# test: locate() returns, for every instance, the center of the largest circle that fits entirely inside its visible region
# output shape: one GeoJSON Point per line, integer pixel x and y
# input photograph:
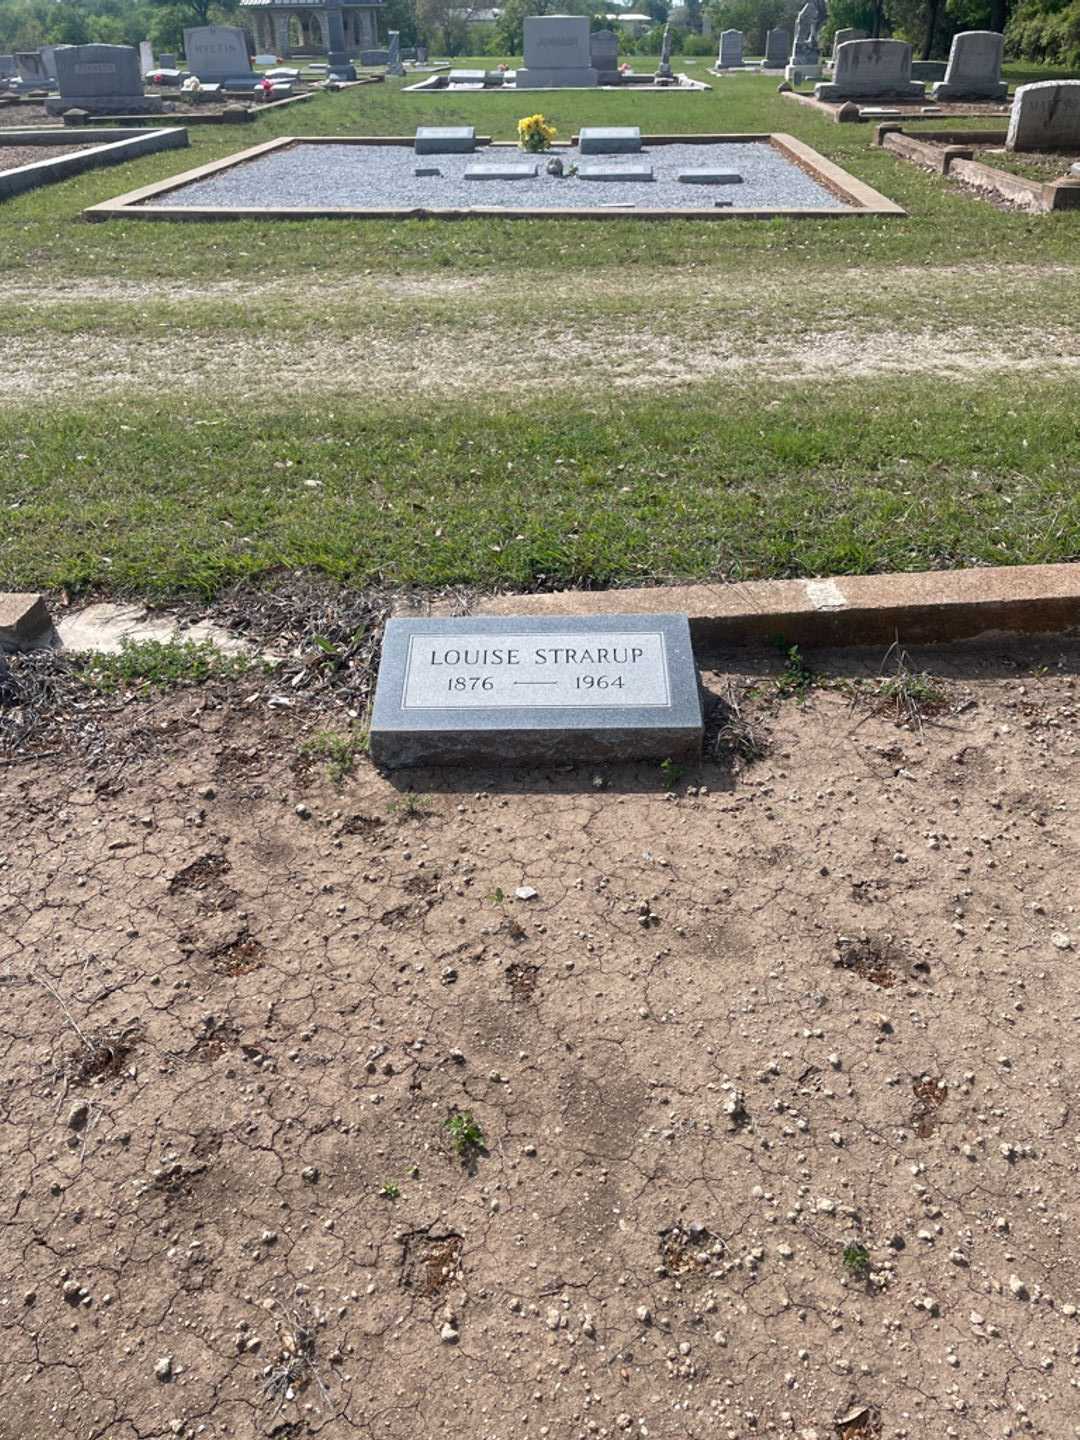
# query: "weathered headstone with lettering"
{"type": "Point", "coordinates": [1045, 116]}
{"type": "Point", "coordinates": [217, 53]}
{"type": "Point", "coordinates": [777, 49]}
{"type": "Point", "coordinates": [731, 50]}
{"type": "Point", "coordinates": [974, 68]}
{"type": "Point", "coordinates": [528, 689]}
{"type": "Point", "coordinates": [102, 80]}
{"type": "Point", "coordinates": [556, 53]}
{"type": "Point", "coordinates": [879, 68]}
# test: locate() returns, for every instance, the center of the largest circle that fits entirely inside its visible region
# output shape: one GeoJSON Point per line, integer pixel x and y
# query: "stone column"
{"type": "Point", "coordinates": [280, 22]}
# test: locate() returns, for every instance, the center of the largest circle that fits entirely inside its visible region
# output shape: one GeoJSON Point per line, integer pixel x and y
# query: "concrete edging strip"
{"type": "Point", "coordinates": [922, 607]}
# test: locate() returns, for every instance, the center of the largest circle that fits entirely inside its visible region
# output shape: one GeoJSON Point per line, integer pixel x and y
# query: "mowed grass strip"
{"type": "Point", "coordinates": [42, 234]}
{"type": "Point", "coordinates": [703, 483]}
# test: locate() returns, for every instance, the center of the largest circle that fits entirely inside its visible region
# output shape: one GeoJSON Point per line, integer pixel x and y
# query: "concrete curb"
{"type": "Point", "coordinates": [929, 607]}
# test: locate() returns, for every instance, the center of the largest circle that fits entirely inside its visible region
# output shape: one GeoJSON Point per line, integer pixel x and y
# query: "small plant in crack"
{"type": "Point", "coordinates": [338, 750]}
{"type": "Point", "coordinates": [670, 773]}
{"type": "Point", "coordinates": [908, 695]}
{"type": "Point", "coordinates": [465, 1134]}
{"type": "Point", "coordinates": [856, 1260]}
{"type": "Point", "coordinates": [410, 807]}
{"type": "Point", "coordinates": [390, 1190]}
{"type": "Point", "coordinates": [498, 895]}
{"type": "Point", "coordinates": [797, 678]}
{"type": "Point", "coordinates": [295, 1366]}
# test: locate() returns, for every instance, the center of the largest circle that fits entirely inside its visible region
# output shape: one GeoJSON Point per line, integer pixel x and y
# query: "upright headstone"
{"type": "Point", "coordinates": [337, 51]}
{"type": "Point", "coordinates": [421, 53]}
{"type": "Point", "coordinates": [147, 63]}
{"type": "Point", "coordinates": [731, 48]}
{"type": "Point", "coordinates": [1045, 116]}
{"type": "Point", "coordinates": [393, 59]}
{"type": "Point", "coordinates": [48, 59]}
{"type": "Point", "coordinates": [556, 53]}
{"type": "Point", "coordinates": [167, 62]}
{"type": "Point", "coordinates": [31, 68]}
{"type": "Point", "coordinates": [974, 68]}
{"type": "Point", "coordinates": [102, 80]}
{"type": "Point", "coordinates": [216, 53]}
{"type": "Point", "coordinates": [8, 69]}
{"type": "Point", "coordinates": [663, 69]}
{"type": "Point", "coordinates": [843, 36]}
{"type": "Point", "coordinates": [533, 690]}
{"type": "Point", "coordinates": [777, 49]}
{"type": "Point", "coordinates": [877, 68]}
{"type": "Point", "coordinates": [604, 56]}
{"type": "Point", "coordinates": [805, 62]}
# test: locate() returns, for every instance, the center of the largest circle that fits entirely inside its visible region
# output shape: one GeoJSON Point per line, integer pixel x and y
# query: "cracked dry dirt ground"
{"type": "Point", "coordinates": [829, 1003]}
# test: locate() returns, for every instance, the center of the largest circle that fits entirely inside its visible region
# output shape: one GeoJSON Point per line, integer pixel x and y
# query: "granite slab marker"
{"type": "Point", "coordinates": [531, 690]}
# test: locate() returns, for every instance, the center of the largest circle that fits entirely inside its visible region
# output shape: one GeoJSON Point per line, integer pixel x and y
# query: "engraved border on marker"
{"type": "Point", "coordinates": [535, 635]}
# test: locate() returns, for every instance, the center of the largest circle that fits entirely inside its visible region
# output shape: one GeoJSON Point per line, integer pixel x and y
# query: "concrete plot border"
{"type": "Point", "coordinates": [919, 607]}
{"type": "Point", "coordinates": [952, 153]}
{"type": "Point", "coordinates": [129, 145]}
{"type": "Point", "coordinates": [855, 197]}
{"type": "Point", "coordinates": [946, 111]}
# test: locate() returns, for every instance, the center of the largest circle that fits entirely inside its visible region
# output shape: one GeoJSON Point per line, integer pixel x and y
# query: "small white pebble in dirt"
{"type": "Point", "coordinates": [553, 1319]}
{"type": "Point", "coordinates": [163, 1368]}
{"type": "Point", "coordinates": [1069, 1310]}
{"type": "Point", "coordinates": [977, 1319]}
{"type": "Point", "coordinates": [644, 1314]}
{"type": "Point", "coordinates": [303, 811]}
{"type": "Point", "coordinates": [1061, 941]}
{"type": "Point", "coordinates": [834, 1061]}
{"type": "Point", "coordinates": [526, 892]}
{"type": "Point", "coordinates": [1017, 1287]}
{"type": "Point", "coordinates": [449, 1334]}
{"type": "Point", "coordinates": [785, 1252]}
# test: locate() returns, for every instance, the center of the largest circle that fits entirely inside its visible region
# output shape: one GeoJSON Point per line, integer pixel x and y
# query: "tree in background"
{"type": "Point", "coordinates": [198, 12]}
{"type": "Point", "coordinates": [509, 36]}
{"type": "Point", "coordinates": [753, 18]}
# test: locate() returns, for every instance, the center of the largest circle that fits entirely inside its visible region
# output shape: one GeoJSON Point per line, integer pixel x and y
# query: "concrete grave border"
{"type": "Point", "coordinates": [952, 153]}
{"type": "Point", "coordinates": [855, 196]}
{"type": "Point", "coordinates": [948, 109]}
{"type": "Point", "coordinates": [128, 145]}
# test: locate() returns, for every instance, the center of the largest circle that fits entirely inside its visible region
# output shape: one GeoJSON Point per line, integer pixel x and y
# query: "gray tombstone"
{"type": "Point", "coordinates": [663, 69]}
{"type": "Point", "coordinates": [393, 55]}
{"type": "Point", "coordinates": [445, 140]}
{"type": "Point", "coordinates": [374, 57]}
{"type": "Point", "coordinates": [1045, 116]}
{"type": "Point", "coordinates": [556, 53]}
{"type": "Point", "coordinates": [31, 68]}
{"type": "Point", "coordinates": [218, 53]}
{"type": "Point", "coordinates": [805, 62]}
{"type": "Point", "coordinates": [731, 50]}
{"type": "Point", "coordinates": [102, 80]}
{"type": "Point", "coordinates": [532, 690]}
{"type": "Point", "coordinates": [843, 36]}
{"type": "Point", "coordinates": [8, 68]}
{"type": "Point", "coordinates": [974, 68]}
{"type": "Point", "coordinates": [878, 68]}
{"type": "Point", "coordinates": [609, 140]}
{"type": "Point", "coordinates": [147, 63]}
{"type": "Point", "coordinates": [421, 53]}
{"type": "Point", "coordinates": [777, 49]}
{"type": "Point", "coordinates": [166, 61]}
{"type": "Point", "coordinates": [48, 59]}
{"type": "Point", "coordinates": [604, 56]}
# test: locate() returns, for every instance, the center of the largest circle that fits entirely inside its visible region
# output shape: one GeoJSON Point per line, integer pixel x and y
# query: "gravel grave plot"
{"type": "Point", "coordinates": [766, 1082]}
{"type": "Point", "coordinates": [27, 117]}
{"type": "Point", "coordinates": [356, 176]}
{"type": "Point", "coordinates": [12, 156]}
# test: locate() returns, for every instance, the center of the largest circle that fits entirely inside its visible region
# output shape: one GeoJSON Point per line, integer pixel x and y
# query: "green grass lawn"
{"type": "Point", "coordinates": [534, 403]}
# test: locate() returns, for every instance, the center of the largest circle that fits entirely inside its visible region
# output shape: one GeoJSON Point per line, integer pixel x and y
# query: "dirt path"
{"type": "Point", "coordinates": [773, 1082]}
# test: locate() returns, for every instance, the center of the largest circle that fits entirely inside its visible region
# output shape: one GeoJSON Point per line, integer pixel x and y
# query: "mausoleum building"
{"type": "Point", "coordinates": [288, 27]}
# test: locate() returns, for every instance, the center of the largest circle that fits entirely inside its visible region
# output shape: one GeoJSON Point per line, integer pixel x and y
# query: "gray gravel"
{"type": "Point", "coordinates": [362, 176]}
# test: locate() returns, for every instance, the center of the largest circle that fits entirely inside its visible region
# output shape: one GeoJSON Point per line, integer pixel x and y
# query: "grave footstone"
{"type": "Point", "coordinates": [777, 49]}
{"type": "Point", "coordinates": [504, 170]}
{"type": "Point", "coordinates": [445, 140]}
{"type": "Point", "coordinates": [526, 690]}
{"type": "Point", "coordinates": [871, 68]}
{"type": "Point", "coordinates": [102, 80]}
{"type": "Point", "coordinates": [218, 53]}
{"type": "Point", "coordinates": [557, 53]}
{"type": "Point", "coordinates": [1045, 116]}
{"type": "Point", "coordinates": [974, 68]}
{"type": "Point", "coordinates": [609, 140]}
{"type": "Point", "coordinates": [710, 177]}
{"type": "Point", "coordinates": [730, 56]}
{"type": "Point", "coordinates": [632, 174]}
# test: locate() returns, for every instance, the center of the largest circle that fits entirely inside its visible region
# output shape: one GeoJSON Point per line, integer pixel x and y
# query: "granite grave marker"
{"type": "Point", "coordinates": [777, 49]}
{"type": "Point", "coordinates": [871, 68]}
{"type": "Point", "coordinates": [557, 53]}
{"type": "Point", "coordinates": [530, 689]}
{"type": "Point", "coordinates": [1045, 116]}
{"type": "Point", "coordinates": [217, 53]}
{"type": "Point", "coordinates": [731, 50]}
{"type": "Point", "coordinates": [974, 68]}
{"type": "Point", "coordinates": [102, 80]}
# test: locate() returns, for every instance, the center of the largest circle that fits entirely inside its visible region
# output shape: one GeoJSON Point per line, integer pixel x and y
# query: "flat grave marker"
{"type": "Point", "coordinates": [528, 689]}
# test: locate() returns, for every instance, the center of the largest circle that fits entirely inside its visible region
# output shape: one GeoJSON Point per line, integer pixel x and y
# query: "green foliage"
{"type": "Point", "coordinates": [1046, 31]}
{"type": "Point", "coordinates": [26, 24]}
{"type": "Point", "coordinates": [465, 1134]}
{"type": "Point", "coordinates": [338, 750]}
{"type": "Point", "coordinates": [856, 1260]}
{"type": "Point", "coordinates": [390, 1190]}
{"type": "Point", "coordinates": [163, 665]}
{"type": "Point", "coordinates": [796, 679]}
{"type": "Point", "coordinates": [671, 773]}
